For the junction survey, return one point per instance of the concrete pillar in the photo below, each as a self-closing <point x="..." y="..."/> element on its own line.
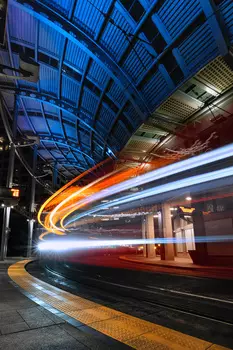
<point x="144" y="235"/>
<point x="167" y="232"/>
<point x="150" y="234"/>
<point x="199" y="231"/>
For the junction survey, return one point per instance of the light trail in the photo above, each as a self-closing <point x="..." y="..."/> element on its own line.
<point x="203" y="159"/>
<point x="63" y="209"/>
<point x="65" y="245"/>
<point x="187" y="182"/>
<point x="73" y="195"/>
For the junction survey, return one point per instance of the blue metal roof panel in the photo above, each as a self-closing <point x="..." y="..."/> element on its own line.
<point x="132" y="115"/>
<point x="75" y="56"/>
<point x="227" y="14"/>
<point x="39" y="124"/>
<point x="88" y="17"/>
<point x="49" y="79"/>
<point x="106" y="117"/>
<point x="199" y="47"/>
<point x="23" y="124"/>
<point x="55" y="126"/>
<point x="62" y="6"/>
<point x="133" y="76"/>
<point x="69" y="117"/>
<point x="22" y="26"/>
<point x="176" y="14"/>
<point x="116" y="93"/>
<point x="31" y="104"/>
<point x="154" y="90"/>
<point x="137" y="62"/>
<point x="70" y="89"/>
<point x="48" y="108"/>
<point x="97" y="74"/>
<point x="71" y="132"/>
<point x="50" y="41"/>
<point x="113" y="39"/>
<point x="89" y="101"/>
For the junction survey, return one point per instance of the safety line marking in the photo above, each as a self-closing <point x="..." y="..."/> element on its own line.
<point x="124" y="328"/>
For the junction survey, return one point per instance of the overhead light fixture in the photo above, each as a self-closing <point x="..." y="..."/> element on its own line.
<point x="188" y="198"/>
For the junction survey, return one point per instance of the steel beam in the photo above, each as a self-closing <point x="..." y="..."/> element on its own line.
<point x="42" y="97"/>
<point x="216" y="26"/>
<point x="9" y="181"/>
<point x="32" y="203"/>
<point x="63" y="26"/>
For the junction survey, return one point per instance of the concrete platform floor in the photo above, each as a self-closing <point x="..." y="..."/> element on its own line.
<point x="25" y="325"/>
<point x="89" y="317"/>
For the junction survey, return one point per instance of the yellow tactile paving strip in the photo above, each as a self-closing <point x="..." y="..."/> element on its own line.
<point x="137" y="333"/>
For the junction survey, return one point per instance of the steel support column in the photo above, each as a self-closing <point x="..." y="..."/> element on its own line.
<point x="10" y="173"/>
<point x="32" y="203"/>
<point x="55" y="173"/>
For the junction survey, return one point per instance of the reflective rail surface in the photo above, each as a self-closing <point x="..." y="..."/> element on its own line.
<point x="132" y="331"/>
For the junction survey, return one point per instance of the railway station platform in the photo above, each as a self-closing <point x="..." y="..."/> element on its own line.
<point x="37" y="315"/>
<point x="181" y="266"/>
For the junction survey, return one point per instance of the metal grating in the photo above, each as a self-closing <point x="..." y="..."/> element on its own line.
<point x="218" y="74"/>
<point x="177" y="109"/>
<point x="139" y="145"/>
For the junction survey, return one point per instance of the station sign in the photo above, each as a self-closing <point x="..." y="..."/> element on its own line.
<point x="15" y="192"/>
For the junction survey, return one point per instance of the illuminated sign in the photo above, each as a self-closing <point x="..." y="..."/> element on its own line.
<point x="15" y="192"/>
<point x="187" y="210"/>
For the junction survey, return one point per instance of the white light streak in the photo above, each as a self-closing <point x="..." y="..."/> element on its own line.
<point x="65" y="245"/>
<point x="175" y="185"/>
<point x="203" y="159"/>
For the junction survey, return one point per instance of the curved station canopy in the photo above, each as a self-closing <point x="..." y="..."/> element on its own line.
<point x="104" y="68"/>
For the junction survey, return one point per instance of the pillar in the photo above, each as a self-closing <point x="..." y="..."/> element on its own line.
<point x="9" y="181"/>
<point x="32" y="203"/>
<point x="144" y="235"/>
<point x="167" y="232"/>
<point x="201" y="254"/>
<point x="150" y="234"/>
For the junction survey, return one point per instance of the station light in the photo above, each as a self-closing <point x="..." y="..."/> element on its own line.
<point x="15" y="192"/>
